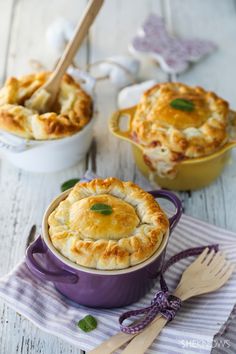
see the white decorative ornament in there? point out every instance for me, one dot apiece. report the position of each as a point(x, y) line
point(131, 95)
point(59, 33)
point(121, 70)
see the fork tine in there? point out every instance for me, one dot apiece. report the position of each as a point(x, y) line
point(226, 275)
point(209, 257)
point(216, 281)
point(221, 263)
point(217, 262)
point(216, 284)
point(223, 270)
point(201, 257)
point(193, 267)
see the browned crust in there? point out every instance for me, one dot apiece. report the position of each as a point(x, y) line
point(213, 132)
point(16, 119)
point(109, 253)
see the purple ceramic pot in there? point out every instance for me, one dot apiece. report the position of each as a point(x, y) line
point(92, 287)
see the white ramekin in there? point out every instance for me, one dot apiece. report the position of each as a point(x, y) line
point(51, 155)
point(47, 155)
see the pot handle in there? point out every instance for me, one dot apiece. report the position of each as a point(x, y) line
point(114, 124)
point(62, 276)
point(173, 220)
point(12, 143)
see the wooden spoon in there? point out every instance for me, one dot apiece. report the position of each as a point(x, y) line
point(207, 273)
point(45, 96)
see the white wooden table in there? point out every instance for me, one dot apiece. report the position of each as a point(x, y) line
point(24, 196)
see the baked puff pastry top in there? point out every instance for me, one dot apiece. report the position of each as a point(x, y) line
point(71, 112)
point(170, 135)
point(128, 235)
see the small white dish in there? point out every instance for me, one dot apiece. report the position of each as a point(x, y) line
point(51, 155)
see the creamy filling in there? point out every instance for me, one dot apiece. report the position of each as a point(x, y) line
point(160, 160)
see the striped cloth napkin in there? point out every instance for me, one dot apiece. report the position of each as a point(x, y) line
point(205, 324)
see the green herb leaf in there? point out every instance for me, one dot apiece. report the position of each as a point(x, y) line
point(182, 104)
point(87, 324)
point(102, 208)
point(69, 184)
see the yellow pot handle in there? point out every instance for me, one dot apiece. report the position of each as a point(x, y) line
point(114, 123)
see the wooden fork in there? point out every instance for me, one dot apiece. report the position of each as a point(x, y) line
point(207, 273)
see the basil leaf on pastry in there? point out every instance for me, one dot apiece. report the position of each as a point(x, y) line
point(122, 238)
point(182, 104)
point(102, 208)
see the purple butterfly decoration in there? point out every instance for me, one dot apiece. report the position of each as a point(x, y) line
point(173, 54)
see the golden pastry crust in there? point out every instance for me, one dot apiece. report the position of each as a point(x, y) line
point(129, 235)
point(172, 134)
point(71, 112)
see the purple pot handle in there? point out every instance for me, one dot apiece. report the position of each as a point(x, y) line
point(62, 276)
point(173, 220)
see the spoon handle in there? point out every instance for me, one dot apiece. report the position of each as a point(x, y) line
point(112, 344)
point(143, 340)
point(81, 30)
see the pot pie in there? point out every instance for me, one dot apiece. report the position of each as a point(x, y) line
point(129, 234)
point(70, 113)
point(169, 132)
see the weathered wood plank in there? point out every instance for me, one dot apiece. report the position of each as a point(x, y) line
point(24, 196)
point(216, 22)
point(111, 35)
point(6, 8)
point(30, 21)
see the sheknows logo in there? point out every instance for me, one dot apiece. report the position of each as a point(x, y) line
point(205, 344)
point(221, 343)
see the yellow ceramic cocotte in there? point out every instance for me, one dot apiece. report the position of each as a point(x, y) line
point(191, 174)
